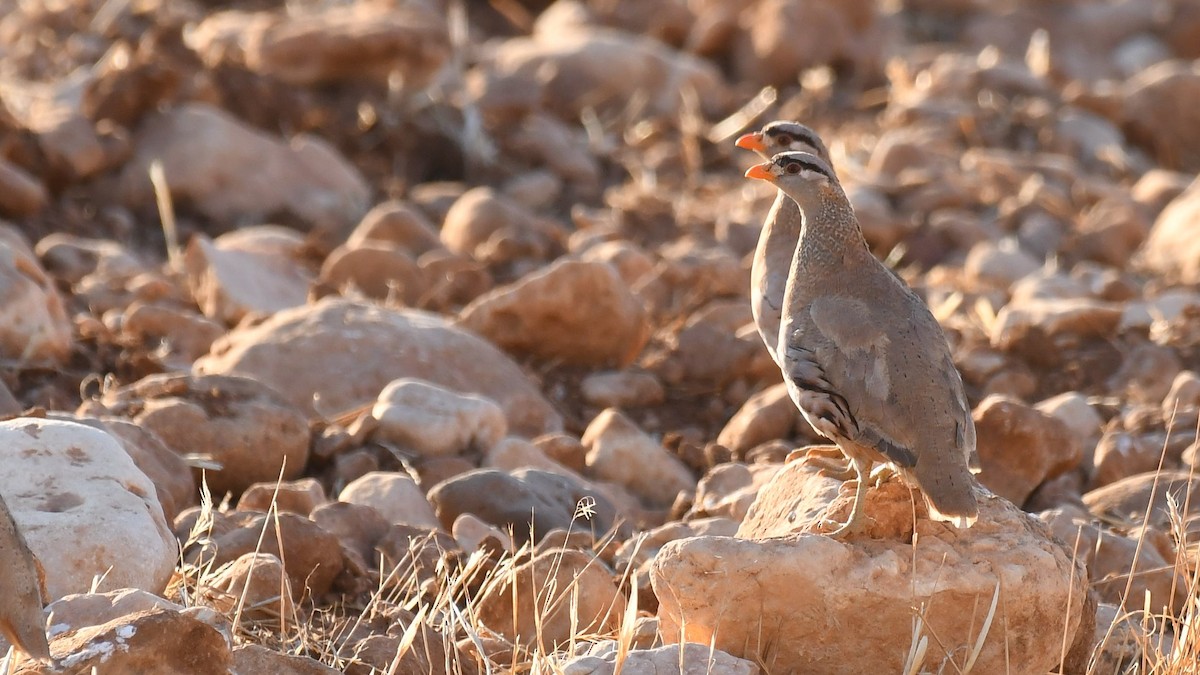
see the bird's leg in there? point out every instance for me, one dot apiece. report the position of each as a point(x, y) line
point(829, 460)
point(855, 522)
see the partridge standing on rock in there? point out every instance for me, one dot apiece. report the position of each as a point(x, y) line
point(864, 360)
point(777, 242)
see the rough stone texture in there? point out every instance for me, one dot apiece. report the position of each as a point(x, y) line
point(1020, 447)
point(329, 44)
point(785, 599)
point(358, 528)
point(173, 482)
point(1110, 560)
point(150, 642)
point(82, 506)
point(296, 496)
point(512, 604)
point(1073, 409)
point(1172, 249)
point(311, 556)
point(1119, 454)
point(529, 501)
point(233, 173)
point(254, 270)
point(251, 659)
point(621, 453)
point(239, 423)
point(74, 612)
point(433, 421)
point(729, 489)
point(256, 582)
point(22, 590)
point(600, 658)
point(543, 316)
point(766, 416)
point(34, 328)
point(1127, 500)
point(394, 495)
point(353, 350)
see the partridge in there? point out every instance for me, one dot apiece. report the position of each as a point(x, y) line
point(777, 242)
point(864, 359)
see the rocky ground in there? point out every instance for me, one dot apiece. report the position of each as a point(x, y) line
point(413, 336)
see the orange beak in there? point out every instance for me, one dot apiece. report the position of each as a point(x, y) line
point(752, 141)
point(761, 172)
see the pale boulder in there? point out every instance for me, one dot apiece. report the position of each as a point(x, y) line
point(433, 421)
point(545, 315)
point(621, 453)
point(233, 173)
point(254, 270)
point(394, 495)
point(84, 507)
point(1172, 249)
point(351, 351)
point(777, 595)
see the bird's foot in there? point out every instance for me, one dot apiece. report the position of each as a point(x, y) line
point(882, 474)
point(828, 460)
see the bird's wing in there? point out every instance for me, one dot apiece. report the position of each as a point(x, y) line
point(839, 363)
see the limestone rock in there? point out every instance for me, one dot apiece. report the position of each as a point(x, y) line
point(254, 581)
point(1073, 409)
point(570, 70)
point(622, 389)
point(1119, 454)
point(541, 315)
point(358, 529)
point(83, 507)
point(785, 599)
point(1110, 560)
point(989, 265)
point(394, 495)
point(1172, 249)
point(600, 658)
point(481, 219)
point(1020, 324)
point(1020, 447)
point(377, 270)
point(1128, 499)
point(621, 453)
point(239, 423)
point(766, 416)
point(514, 605)
point(33, 324)
point(254, 270)
point(729, 489)
point(433, 421)
point(233, 173)
point(74, 612)
point(154, 642)
point(351, 351)
point(398, 224)
point(22, 588)
point(21, 194)
point(311, 556)
point(293, 496)
point(330, 44)
point(531, 502)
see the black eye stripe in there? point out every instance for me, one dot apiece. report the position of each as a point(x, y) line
point(802, 134)
point(805, 165)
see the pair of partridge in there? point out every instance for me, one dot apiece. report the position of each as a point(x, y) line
point(864, 359)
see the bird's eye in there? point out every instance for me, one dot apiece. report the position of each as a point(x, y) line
point(784, 139)
point(792, 168)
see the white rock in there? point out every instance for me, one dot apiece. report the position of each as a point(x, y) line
point(34, 328)
point(394, 495)
point(621, 453)
point(434, 421)
point(84, 507)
